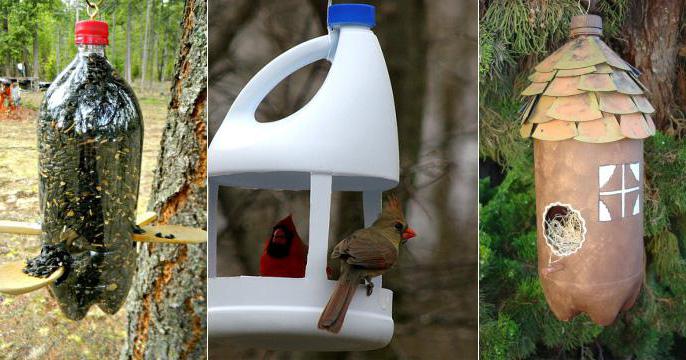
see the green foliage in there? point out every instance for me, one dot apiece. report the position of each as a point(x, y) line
point(509, 280)
point(516, 322)
point(507, 334)
point(523, 326)
point(499, 130)
point(511, 29)
point(514, 36)
point(665, 159)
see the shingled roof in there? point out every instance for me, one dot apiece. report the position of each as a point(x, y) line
point(585, 91)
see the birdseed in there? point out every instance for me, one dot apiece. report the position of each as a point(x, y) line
point(90, 142)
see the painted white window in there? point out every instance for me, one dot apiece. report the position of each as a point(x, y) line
point(619, 194)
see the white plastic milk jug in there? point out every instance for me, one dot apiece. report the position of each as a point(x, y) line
point(344, 139)
point(347, 128)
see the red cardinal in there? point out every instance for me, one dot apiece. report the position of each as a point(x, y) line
point(284, 254)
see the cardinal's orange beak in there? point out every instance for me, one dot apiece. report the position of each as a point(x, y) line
point(408, 233)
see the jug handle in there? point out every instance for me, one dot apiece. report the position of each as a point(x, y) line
point(246, 103)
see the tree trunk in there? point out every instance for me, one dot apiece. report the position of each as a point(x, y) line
point(127, 63)
point(163, 61)
point(144, 57)
point(653, 35)
point(155, 52)
point(8, 59)
point(36, 63)
point(113, 37)
point(58, 49)
point(155, 45)
point(166, 307)
point(24, 60)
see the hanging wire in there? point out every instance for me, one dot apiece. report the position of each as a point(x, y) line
point(93, 8)
point(588, 7)
point(327, 15)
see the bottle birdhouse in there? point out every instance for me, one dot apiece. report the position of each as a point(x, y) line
point(344, 139)
point(588, 115)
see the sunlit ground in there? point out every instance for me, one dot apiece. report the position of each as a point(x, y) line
point(31, 325)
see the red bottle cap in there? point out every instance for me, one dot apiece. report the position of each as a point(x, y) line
point(91, 32)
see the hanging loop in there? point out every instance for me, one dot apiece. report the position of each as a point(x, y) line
point(327, 15)
point(93, 8)
point(588, 7)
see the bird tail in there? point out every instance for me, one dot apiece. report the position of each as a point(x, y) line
point(334, 313)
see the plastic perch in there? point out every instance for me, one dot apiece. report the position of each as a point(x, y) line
point(13, 281)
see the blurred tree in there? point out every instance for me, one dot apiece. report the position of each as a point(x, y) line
point(166, 306)
point(127, 66)
point(656, 27)
point(146, 36)
point(515, 319)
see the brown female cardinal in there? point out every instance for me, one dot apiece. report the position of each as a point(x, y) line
point(284, 255)
point(365, 254)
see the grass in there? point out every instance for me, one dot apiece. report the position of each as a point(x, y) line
point(31, 325)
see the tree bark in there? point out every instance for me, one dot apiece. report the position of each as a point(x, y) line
point(654, 35)
point(127, 63)
point(144, 57)
point(166, 307)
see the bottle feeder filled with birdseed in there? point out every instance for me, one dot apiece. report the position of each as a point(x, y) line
point(588, 115)
point(90, 138)
point(344, 139)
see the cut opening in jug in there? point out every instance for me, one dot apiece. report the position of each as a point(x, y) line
point(278, 104)
point(273, 245)
point(276, 244)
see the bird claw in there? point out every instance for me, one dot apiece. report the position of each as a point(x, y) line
point(370, 287)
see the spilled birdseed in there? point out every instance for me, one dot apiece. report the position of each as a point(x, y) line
point(51, 258)
point(90, 141)
point(163, 236)
point(138, 230)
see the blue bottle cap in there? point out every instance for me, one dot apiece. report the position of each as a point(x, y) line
point(352, 14)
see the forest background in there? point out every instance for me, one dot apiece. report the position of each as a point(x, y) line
point(144, 37)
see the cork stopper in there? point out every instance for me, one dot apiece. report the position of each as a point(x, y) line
point(586, 25)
